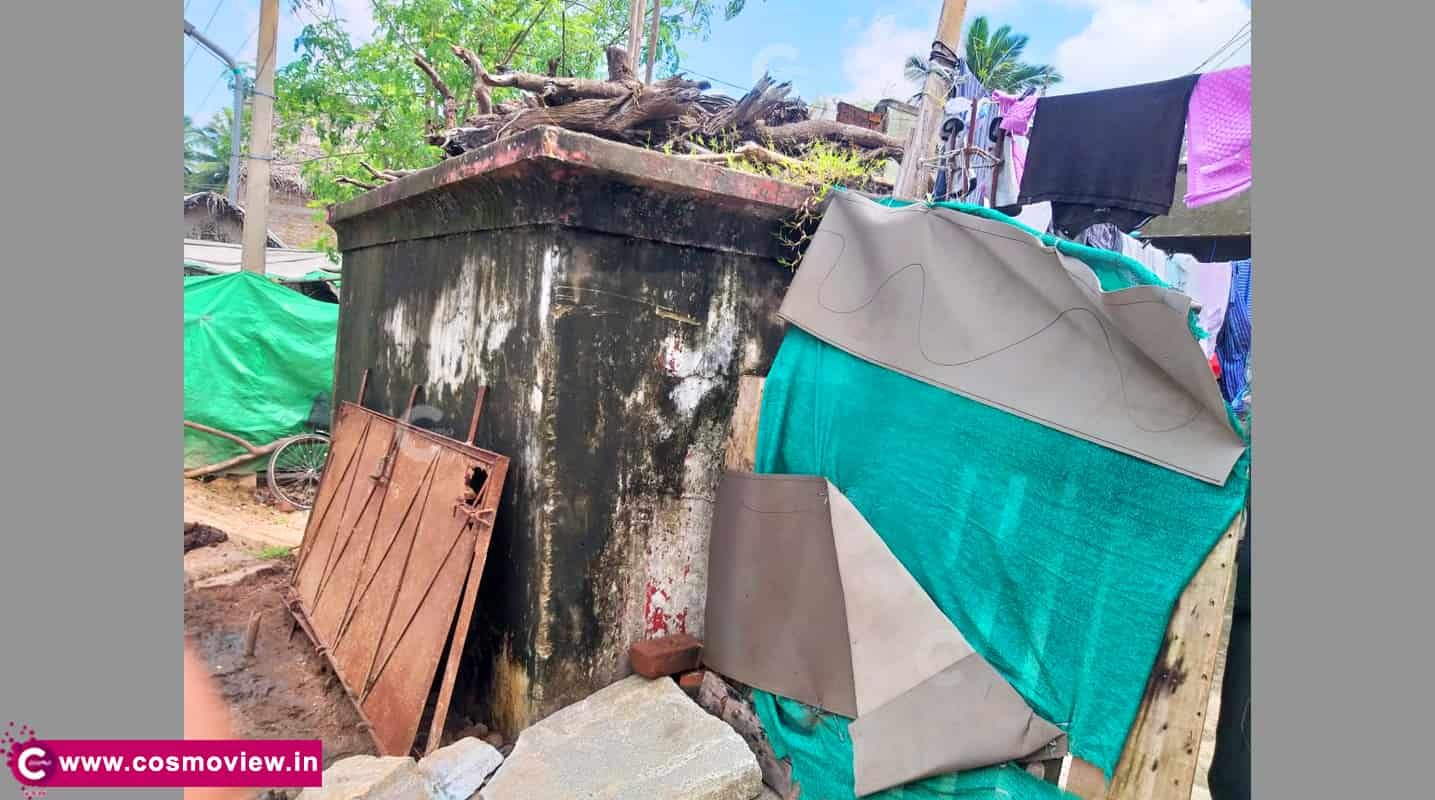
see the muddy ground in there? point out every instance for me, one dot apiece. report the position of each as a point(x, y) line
point(285, 691)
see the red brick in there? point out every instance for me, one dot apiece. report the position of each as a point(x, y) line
point(666, 655)
point(690, 682)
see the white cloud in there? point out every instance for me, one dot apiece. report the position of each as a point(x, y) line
point(765, 58)
point(357, 17)
point(872, 64)
point(1138, 41)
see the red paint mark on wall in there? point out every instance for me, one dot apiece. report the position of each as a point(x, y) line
point(681, 619)
point(655, 619)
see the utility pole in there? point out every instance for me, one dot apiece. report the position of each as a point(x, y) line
point(261, 130)
point(911, 178)
point(653, 38)
point(236, 74)
point(635, 33)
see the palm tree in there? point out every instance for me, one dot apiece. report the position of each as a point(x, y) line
point(206, 152)
point(195, 145)
point(994, 57)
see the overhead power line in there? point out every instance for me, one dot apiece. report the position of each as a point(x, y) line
point(1243, 31)
point(1233, 52)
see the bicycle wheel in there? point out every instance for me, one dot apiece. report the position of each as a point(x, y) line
point(295, 469)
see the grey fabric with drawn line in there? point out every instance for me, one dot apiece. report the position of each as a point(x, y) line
point(805, 600)
point(988, 311)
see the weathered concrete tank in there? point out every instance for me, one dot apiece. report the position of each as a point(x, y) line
point(609, 297)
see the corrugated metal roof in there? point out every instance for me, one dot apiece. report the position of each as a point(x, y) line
point(278, 261)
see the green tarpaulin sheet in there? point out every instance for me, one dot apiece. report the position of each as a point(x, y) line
point(258, 359)
point(1058, 559)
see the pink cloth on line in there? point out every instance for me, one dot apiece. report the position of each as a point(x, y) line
point(1218, 137)
point(1016, 112)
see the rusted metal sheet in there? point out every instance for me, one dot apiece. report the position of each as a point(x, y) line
point(861, 117)
point(394, 549)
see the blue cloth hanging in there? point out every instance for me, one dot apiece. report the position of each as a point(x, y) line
point(1233, 344)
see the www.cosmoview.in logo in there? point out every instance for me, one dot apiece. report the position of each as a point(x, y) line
point(155, 763)
point(30, 761)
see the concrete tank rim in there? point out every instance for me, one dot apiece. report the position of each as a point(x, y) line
point(763, 197)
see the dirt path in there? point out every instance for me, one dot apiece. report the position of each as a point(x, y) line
point(229, 505)
point(285, 691)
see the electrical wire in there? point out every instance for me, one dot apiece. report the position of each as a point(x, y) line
point(204, 30)
point(714, 80)
point(1232, 54)
point(1244, 30)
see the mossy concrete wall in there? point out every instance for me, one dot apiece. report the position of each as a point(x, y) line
point(609, 298)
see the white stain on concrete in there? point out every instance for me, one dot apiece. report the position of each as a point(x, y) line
point(703, 366)
point(450, 337)
point(467, 320)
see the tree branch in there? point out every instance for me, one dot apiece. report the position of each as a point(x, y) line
point(345, 179)
point(798, 133)
point(518, 40)
point(450, 105)
point(252, 452)
point(481, 96)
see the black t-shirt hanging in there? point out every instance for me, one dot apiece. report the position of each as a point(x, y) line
point(1108, 156)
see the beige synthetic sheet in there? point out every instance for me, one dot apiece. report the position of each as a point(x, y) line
point(986, 310)
point(805, 600)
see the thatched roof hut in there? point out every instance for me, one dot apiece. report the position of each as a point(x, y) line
point(210, 217)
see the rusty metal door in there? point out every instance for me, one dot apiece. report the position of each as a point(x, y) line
point(393, 550)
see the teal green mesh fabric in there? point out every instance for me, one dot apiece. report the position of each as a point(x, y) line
point(1058, 559)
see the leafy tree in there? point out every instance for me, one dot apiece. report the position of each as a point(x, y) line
point(994, 57)
point(370, 102)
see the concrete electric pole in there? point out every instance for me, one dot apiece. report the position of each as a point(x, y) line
point(911, 178)
point(261, 130)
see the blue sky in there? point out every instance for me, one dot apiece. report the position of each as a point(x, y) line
point(852, 49)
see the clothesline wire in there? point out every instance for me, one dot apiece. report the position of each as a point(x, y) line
point(1244, 30)
point(1232, 53)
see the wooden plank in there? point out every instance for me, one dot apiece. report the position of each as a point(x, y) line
point(1159, 761)
point(742, 436)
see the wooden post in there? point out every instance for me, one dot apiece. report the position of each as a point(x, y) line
point(1159, 759)
point(256, 203)
point(911, 178)
point(742, 435)
point(635, 33)
point(653, 39)
point(251, 634)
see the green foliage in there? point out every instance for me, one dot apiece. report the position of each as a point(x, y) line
point(994, 57)
point(207, 150)
point(275, 552)
point(821, 167)
point(370, 102)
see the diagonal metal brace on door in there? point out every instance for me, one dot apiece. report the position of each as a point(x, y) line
point(390, 565)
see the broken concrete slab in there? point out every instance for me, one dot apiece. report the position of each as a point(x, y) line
point(408, 784)
point(637, 738)
point(455, 772)
point(354, 777)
